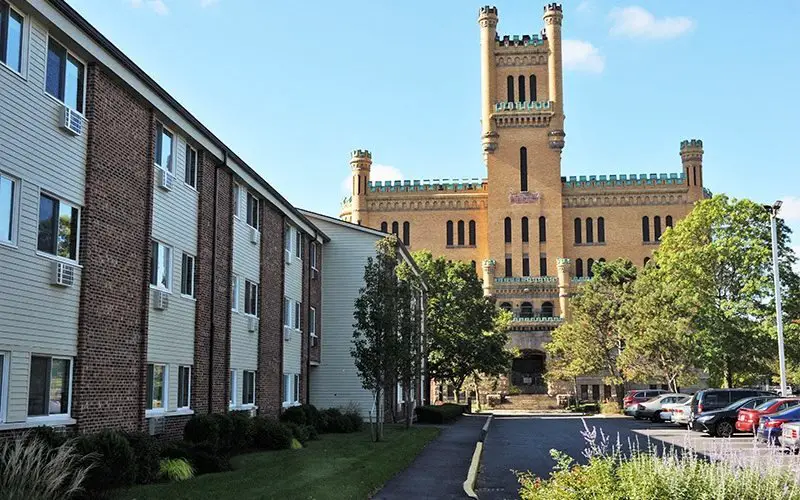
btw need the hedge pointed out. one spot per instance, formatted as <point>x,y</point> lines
<point>438,414</point>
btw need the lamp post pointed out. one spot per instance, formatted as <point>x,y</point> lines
<point>773,216</point>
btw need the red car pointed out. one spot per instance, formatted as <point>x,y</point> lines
<point>640,396</point>
<point>748,418</point>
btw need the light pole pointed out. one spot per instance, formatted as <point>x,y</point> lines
<point>776,274</point>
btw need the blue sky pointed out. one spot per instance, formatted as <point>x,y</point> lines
<point>292,87</point>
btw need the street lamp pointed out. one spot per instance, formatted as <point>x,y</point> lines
<point>773,217</point>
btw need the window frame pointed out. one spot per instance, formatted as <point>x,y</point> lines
<point>296,317</point>
<point>5,362</point>
<point>312,322</point>
<point>296,388</point>
<point>253,215</point>
<point>288,311</point>
<point>69,54</point>
<point>298,244</point>
<point>234,293</point>
<point>232,387</point>
<point>185,372</point>
<point>312,251</point>
<point>13,211</point>
<point>159,148</point>
<point>235,200</point>
<point>74,206</point>
<point>150,384</point>
<point>154,266</point>
<point>251,292</point>
<point>245,375</point>
<point>190,153</point>
<point>193,283</point>
<point>288,381</point>
<point>287,243</point>
<point>23,42</point>
<point>71,375</point>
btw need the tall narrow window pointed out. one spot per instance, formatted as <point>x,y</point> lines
<point>508,267</point>
<point>10,37</point>
<point>164,148</point>
<point>601,230</point>
<point>237,190</point>
<point>526,309</point>
<point>525,230</point>
<point>235,293</point>
<point>521,88</point>
<point>65,75</point>
<point>385,226</point>
<point>526,265</point>
<point>461,233</point>
<point>669,221</point>
<point>190,167</point>
<point>184,386</point>
<point>157,392</point>
<point>657,227</point>
<point>7,205</point>
<point>694,175</point>
<point>533,88</point>
<point>510,85</point>
<point>449,233</point>
<point>579,268</point>
<point>542,265</point>
<point>252,211</point>
<point>406,233</point>
<point>577,231</point>
<point>161,266</point>
<point>472,233</point>
<point>589,230</point>
<point>50,386</point>
<point>542,229</point>
<point>523,168</point>
<point>395,228</point>
<point>507,228</point>
<point>645,228</point>
<point>251,298</point>
<point>187,275</point>
<point>248,387</point>
<point>589,265</point>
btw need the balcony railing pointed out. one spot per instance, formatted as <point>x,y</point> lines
<point>550,280</point>
<point>552,320</point>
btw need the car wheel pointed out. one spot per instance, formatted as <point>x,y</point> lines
<point>724,429</point>
<point>655,418</point>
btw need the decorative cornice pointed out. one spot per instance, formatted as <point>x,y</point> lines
<point>422,203</point>
<point>601,199</point>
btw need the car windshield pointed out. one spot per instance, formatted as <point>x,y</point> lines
<point>738,404</point>
<point>766,404</point>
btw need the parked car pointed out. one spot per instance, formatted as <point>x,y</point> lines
<point>640,396</point>
<point>790,436</point>
<point>715,399</point>
<point>652,408</point>
<point>771,426</point>
<point>748,419</point>
<point>680,412</point>
<point>667,409</point>
<point>723,422</point>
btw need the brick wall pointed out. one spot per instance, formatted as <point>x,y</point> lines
<point>269,383</point>
<point>304,312</point>
<point>316,301</point>
<point>109,386</point>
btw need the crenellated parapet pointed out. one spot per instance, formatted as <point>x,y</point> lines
<point>536,40</point>
<point>429,185</point>
<point>622,180</point>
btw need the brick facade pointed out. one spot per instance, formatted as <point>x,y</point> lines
<point>315,298</point>
<point>109,384</point>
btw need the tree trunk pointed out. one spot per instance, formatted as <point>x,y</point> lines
<point>620,389</point>
<point>477,392</point>
<point>728,374</point>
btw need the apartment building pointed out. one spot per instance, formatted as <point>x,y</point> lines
<point>146,271</point>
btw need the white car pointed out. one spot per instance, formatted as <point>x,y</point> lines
<point>651,409</point>
<point>678,412</point>
<point>668,409</point>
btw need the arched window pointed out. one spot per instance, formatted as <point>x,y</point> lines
<point>646,260</point>
<point>508,229</point>
<point>669,221</point>
<point>406,233</point>
<point>505,306</point>
<point>577,231</point>
<point>694,175</point>
<point>533,88</point>
<point>523,168</point>
<point>547,309</point>
<point>657,228</point>
<point>542,229</point>
<point>589,230</point>
<point>645,228</point>
<point>542,265</point>
<point>472,233</point>
<point>510,85</point>
<point>384,227</point>
<point>579,268</point>
<point>589,265</point>
<point>601,230</point>
<point>524,229</point>
<point>526,310</point>
<point>526,265</point>
<point>461,233</point>
<point>395,228</point>
<point>449,233</point>
<point>521,88</point>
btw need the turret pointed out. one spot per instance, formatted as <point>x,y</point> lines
<point>360,163</point>
<point>487,20</point>
<point>553,17</point>
<point>692,160</point>
<point>564,281</point>
<point>489,269</point>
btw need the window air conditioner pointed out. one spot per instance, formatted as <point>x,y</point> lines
<point>165,179</point>
<point>254,234</point>
<point>160,300</point>
<point>63,274</point>
<point>71,121</point>
<point>252,324</point>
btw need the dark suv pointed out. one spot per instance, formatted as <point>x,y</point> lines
<point>714,399</point>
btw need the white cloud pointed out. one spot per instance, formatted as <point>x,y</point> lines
<point>158,6</point>
<point>584,7</point>
<point>208,3</point>
<point>790,210</point>
<point>637,22</point>
<point>377,172</point>
<point>582,56</point>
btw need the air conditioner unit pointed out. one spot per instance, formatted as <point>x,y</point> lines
<point>254,234</point>
<point>160,300</point>
<point>165,179</point>
<point>156,425</point>
<point>71,121</point>
<point>63,274</point>
<point>287,333</point>
<point>252,324</point>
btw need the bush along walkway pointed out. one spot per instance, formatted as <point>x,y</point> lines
<point>439,471</point>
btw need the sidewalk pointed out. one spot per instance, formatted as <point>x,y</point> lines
<point>440,470</point>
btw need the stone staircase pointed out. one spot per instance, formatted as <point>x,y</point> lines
<point>529,402</point>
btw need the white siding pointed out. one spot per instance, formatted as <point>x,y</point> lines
<point>293,289</point>
<point>35,317</point>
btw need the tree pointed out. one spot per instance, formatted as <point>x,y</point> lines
<point>591,341</point>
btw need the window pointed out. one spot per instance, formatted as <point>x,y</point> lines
<point>646,260</point>
<point>58,228</point>
<point>395,228</point>
<point>472,233</point>
<point>312,323</point>
<point>668,221</point>
<point>510,88</point>
<point>523,166</point>
<point>542,229</point>
<point>578,231</point>
<point>164,148</point>
<point>589,230</point>
<point>521,81</point>
<point>288,310</point>
<point>10,37</point>
<point>234,293</point>
<point>533,87</point>
<point>645,228</point>
<point>508,267</point>
<point>601,230</point>
<point>505,306</point>
<point>184,386</point>
<point>187,275</point>
<point>161,266</point>
<point>232,398</point>
<point>449,233</point>
<point>248,387</point>
<point>298,244</point>
<point>526,265</point>
<point>296,392</point>
<point>190,170</point>
<point>50,386</point>
<point>589,266</point>
<point>7,207</point>
<point>237,189</point>
<point>542,266</point>
<point>526,310</point>
<point>461,233</point>
<point>157,387</point>
<point>287,243</point>
<point>288,390</point>
<point>384,227</point>
<point>64,79</point>
<point>406,233</point>
<point>507,227</point>
<point>547,309</point>
<point>657,228</point>
<point>252,211</point>
<point>312,250</point>
<point>524,229</point>
<point>250,298</point>
<point>296,316</point>
<point>579,268</point>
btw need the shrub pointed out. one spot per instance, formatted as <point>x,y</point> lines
<point>356,421</point>
<point>201,429</point>
<point>313,435</point>
<point>299,432</point>
<point>610,408</point>
<point>204,457</point>
<point>47,435</point>
<point>438,414</point>
<point>242,430</point>
<point>29,468</point>
<point>176,469</point>
<point>327,419</point>
<point>312,415</point>
<point>269,434</point>
<point>294,415</point>
<point>114,461</point>
<point>147,451</point>
<point>296,445</point>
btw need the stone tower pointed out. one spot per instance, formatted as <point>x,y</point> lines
<point>360,164</point>
<point>692,160</point>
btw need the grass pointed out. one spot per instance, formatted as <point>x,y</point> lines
<point>336,466</point>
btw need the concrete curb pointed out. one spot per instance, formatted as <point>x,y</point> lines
<point>472,474</point>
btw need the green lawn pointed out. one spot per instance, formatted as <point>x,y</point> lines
<point>341,466</point>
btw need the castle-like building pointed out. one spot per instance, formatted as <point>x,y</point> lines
<point>531,233</point>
